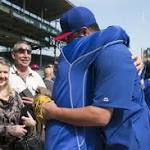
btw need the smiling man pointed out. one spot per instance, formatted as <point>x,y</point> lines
<point>21,75</point>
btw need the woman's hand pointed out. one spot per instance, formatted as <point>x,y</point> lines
<point>28,121</point>
<point>16,130</point>
<point>27,100</point>
<point>138,62</point>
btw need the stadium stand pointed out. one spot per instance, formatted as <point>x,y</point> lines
<point>30,20</point>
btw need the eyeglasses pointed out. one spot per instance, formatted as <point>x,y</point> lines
<point>22,50</point>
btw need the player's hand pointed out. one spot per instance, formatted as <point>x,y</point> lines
<point>48,110</point>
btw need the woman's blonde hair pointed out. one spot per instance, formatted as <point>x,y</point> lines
<point>5,62</point>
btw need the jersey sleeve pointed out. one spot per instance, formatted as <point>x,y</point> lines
<point>114,78</point>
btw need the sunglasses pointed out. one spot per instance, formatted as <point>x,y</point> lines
<point>23,49</point>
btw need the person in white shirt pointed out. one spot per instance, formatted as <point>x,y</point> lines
<point>22,77</point>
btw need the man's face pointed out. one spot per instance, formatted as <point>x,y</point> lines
<point>22,55</point>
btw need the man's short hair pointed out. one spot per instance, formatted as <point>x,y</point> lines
<point>15,47</point>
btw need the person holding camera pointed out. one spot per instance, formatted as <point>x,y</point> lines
<point>23,79</point>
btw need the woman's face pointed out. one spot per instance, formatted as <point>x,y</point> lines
<point>4,73</point>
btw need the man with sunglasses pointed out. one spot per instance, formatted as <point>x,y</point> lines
<point>23,79</point>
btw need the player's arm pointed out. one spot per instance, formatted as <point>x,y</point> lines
<point>86,116</point>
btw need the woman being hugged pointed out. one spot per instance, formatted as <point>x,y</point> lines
<point>10,111</point>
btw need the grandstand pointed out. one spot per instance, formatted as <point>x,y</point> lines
<point>31,20</point>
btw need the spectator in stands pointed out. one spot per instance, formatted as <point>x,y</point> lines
<point>22,78</point>
<point>10,111</point>
<point>99,103</point>
<point>49,77</point>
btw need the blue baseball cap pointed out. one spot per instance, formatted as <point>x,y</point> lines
<point>75,19</point>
